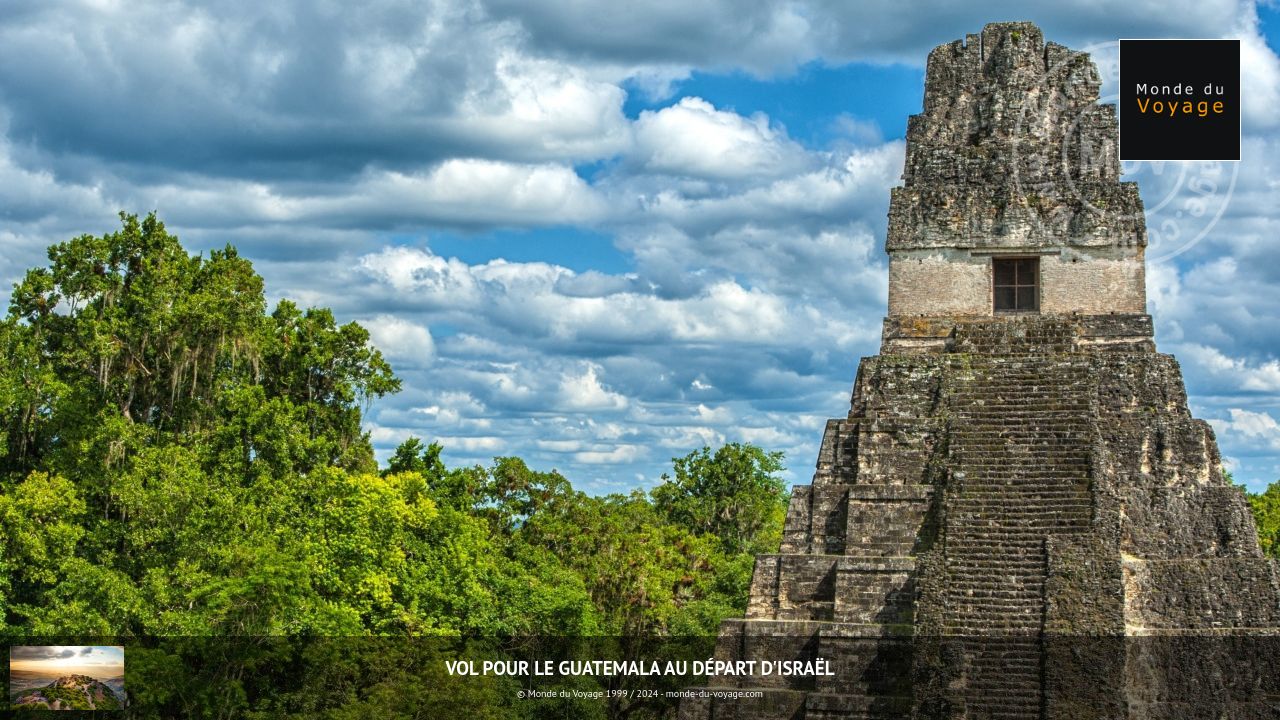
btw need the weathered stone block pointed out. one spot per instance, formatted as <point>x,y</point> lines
<point>1019,517</point>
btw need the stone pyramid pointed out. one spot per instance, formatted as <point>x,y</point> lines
<point>1019,517</point>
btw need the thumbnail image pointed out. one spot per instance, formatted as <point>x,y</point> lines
<point>66,677</point>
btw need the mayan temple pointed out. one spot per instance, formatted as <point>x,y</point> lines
<point>1019,518</point>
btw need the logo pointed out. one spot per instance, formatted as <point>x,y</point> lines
<point>1179,100</point>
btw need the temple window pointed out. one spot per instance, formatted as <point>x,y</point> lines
<point>1016,286</point>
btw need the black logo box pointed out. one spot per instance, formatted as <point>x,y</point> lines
<point>1186,68</point>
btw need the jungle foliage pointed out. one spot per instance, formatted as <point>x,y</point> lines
<point>184,470</point>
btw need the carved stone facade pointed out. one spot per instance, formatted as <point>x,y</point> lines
<point>1019,517</point>
<point>1013,156</point>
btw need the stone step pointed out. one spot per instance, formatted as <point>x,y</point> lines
<point>1059,490</point>
<point>1072,431</point>
<point>1074,369</point>
<point>1075,476</point>
<point>988,514</point>
<point>1043,458</point>
<point>968,621</point>
<point>971,546</point>
<point>1003,587</point>
<point>1026,353</point>
<point>1002,498</point>
<point>965,558</point>
<point>1019,483</point>
<point>1047,455</point>
<point>969,537</point>
<point>989,406</point>
<point>1024,467</point>
<point>1015,596</point>
<point>980,522</point>
<point>1007,387</point>
<point>1014,502</point>
<point>1029,531</point>
<point>826,706</point>
<point>1012,493</point>
<point>990,566</point>
<point>1028,402</point>
<point>1022,493</point>
<point>1013,384</point>
<point>979,518</point>
<point>1008,445</point>
<point>1012,477</point>
<point>1005,692</point>
<point>993,417</point>
<point>1022,534</point>
<point>1015,445</point>
<point>878,547</point>
<point>999,581</point>
<point>1022,703</point>
<point>971,416</point>
<point>992,628</point>
<point>1002,396</point>
<point>1014,673</point>
<point>999,436</point>
<point>1028,398</point>
<point>993,707</point>
<point>1019,490</point>
<point>995,625</point>
<point>1012,469</point>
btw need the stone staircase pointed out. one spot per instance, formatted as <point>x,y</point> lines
<point>983,515</point>
<point>1019,518</point>
<point>1016,417</point>
<point>1019,460</point>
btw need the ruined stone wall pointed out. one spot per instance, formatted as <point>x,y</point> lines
<point>949,282</point>
<point>1024,522</point>
<point>1081,281</point>
<point>1019,518</point>
<point>1013,156</point>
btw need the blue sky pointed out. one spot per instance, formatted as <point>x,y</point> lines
<point>590,235</point>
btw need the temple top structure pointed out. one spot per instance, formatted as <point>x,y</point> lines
<point>1011,201</point>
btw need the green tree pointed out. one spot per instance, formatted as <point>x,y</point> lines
<point>1266,513</point>
<point>179,465</point>
<point>412,456</point>
<point>733,494</point>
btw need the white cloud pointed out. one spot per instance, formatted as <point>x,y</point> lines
<point>619,455</point>
<point>457,191</point>
<point>1260,377</point>
<point>481,444</point>
<point>487,191</point>
<point>712,416</point>
<point>693,138</point>
<point>1259,76</point>
<point>583,392</point>
<point>550,103</point>
<point>844,187</point>
<point>559,446</point>
<point>400,339</point>
<point>527,299</point>
<point>1254,428</point>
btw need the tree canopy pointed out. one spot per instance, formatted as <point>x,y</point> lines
<point>184,466</point>
<point>1266,513</point>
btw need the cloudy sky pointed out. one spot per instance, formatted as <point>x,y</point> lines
<point>596,234</point>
